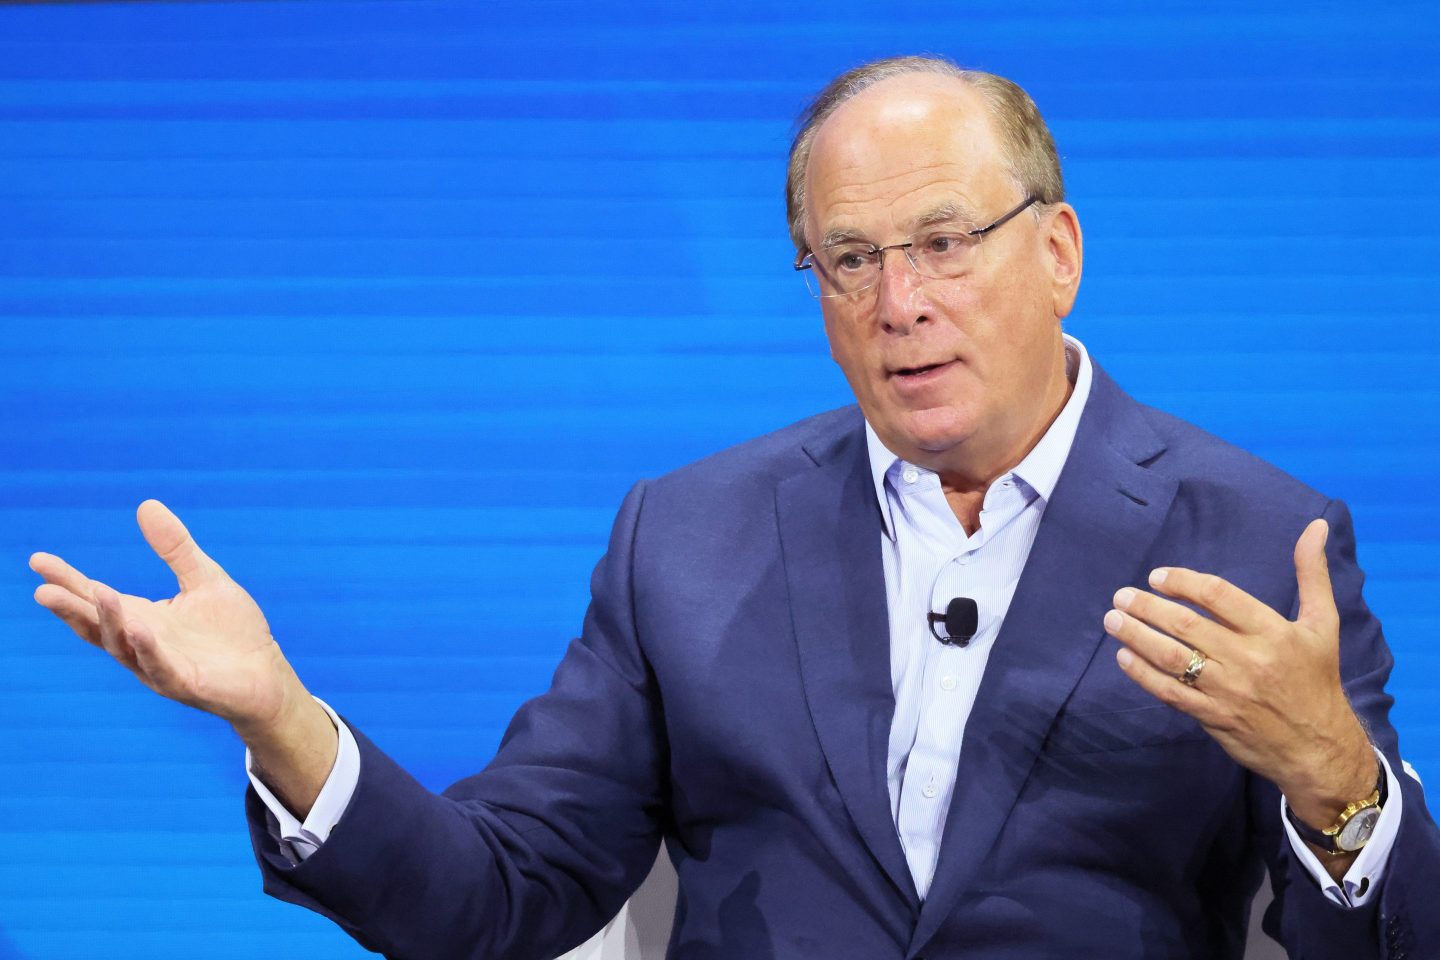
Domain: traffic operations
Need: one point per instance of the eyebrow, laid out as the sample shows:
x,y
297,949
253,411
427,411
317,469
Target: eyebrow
x,y
948,212
951,211
839,238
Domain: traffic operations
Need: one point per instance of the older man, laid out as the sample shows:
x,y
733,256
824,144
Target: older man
x,y
999,663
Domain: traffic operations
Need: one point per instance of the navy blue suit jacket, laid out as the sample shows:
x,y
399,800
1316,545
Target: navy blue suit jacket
x,y
731,694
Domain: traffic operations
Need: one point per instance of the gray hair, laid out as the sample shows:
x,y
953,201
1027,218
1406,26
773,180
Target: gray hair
x,y
1029,149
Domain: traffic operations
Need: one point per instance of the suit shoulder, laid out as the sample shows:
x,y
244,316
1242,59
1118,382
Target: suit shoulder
x,y
1206,463
709,507
767,458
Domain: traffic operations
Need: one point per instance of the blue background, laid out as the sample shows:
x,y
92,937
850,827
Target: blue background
x,y
393,301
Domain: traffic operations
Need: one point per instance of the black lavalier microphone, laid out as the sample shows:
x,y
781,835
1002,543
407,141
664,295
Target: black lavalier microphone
x,y
961,619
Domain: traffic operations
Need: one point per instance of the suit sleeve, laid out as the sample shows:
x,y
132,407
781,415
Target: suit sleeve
x,y
1400,922
534,854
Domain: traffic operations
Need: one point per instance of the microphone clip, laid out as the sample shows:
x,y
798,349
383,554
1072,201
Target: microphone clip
x,y
961,619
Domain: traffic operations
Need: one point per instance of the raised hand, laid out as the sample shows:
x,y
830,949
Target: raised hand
x,y
1267,689
209,646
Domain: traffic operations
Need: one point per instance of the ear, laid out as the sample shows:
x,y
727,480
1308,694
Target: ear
x,y
1064,248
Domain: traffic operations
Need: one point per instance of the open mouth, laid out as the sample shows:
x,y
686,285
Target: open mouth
x,y
920,371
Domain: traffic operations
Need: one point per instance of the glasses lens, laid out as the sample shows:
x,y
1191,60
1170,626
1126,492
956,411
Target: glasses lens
x,y
945,256
846,270
812,283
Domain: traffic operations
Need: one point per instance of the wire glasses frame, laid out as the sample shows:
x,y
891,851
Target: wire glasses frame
x,y
805,259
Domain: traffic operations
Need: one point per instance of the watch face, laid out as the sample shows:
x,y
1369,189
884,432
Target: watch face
x,y
1354,834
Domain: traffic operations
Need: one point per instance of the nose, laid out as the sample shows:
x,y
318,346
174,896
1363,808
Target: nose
x,y
899,304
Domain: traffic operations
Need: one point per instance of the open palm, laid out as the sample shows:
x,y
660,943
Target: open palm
x,y
209,646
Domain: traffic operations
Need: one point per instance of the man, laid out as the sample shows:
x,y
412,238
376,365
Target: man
x,y
999,664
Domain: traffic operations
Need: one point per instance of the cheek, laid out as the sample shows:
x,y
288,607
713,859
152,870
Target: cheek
x,y
847,346
1023,290
836,338
966,305
971,321
994,320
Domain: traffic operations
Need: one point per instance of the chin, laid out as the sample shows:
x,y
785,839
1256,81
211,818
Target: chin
x,y
936,430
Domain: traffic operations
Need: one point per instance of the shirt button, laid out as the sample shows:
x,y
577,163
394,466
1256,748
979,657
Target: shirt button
x,y
947,683
911,475
964,559
1007,483
929,790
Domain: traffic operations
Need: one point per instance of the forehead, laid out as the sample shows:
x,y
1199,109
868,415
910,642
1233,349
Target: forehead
x,y
900,148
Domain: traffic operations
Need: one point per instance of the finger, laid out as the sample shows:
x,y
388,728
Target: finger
x,y
1165,687
151,660
1312,572
78,614
60,573
168,537
1217,596
1174,620
1165,654
112,625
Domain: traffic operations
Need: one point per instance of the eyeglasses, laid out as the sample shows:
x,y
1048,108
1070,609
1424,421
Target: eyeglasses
x,y
848,268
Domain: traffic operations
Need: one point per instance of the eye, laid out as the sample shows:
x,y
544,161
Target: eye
x,y
850,260
943,244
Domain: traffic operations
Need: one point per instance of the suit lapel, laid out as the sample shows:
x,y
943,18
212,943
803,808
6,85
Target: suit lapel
x,y
830,539
1104,513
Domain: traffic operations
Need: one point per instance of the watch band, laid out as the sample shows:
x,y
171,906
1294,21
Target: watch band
x,y
1327,839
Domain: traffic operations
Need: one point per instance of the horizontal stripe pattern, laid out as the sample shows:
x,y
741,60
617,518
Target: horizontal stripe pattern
x,y
392,301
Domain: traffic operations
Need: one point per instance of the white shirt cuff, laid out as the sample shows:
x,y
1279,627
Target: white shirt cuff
x,y
1363,878
299,840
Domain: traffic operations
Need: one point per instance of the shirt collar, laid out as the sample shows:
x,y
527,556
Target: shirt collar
x,y
1040,469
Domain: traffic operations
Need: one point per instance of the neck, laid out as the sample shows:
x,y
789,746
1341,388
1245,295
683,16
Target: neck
x,y
965,487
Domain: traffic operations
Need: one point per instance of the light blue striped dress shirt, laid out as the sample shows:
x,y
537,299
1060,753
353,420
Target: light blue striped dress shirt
x,y
929,560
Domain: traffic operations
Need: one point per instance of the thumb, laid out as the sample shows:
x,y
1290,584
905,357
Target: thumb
x,y
1312,572
168,537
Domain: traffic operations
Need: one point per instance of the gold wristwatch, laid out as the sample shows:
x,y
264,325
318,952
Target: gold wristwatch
x,y
1352,829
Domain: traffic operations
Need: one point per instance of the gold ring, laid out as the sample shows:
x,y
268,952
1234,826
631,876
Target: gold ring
x,y
1192,672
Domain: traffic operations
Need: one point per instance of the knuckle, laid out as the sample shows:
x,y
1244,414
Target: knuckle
x,y
1187,621
1242,696
1180,660
1265,664
1212,589
1223,718
1169,693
